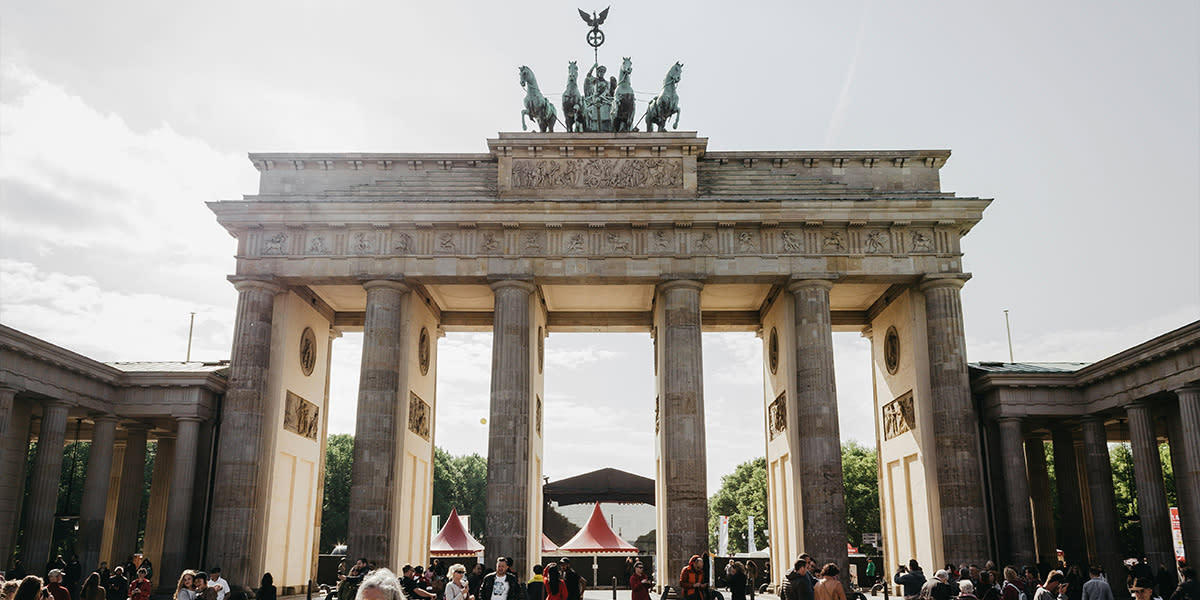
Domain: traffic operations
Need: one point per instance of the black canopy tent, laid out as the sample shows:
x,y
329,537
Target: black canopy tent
x,y
603,485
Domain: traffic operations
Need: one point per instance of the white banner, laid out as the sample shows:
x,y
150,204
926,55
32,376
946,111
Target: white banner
x,y
1177,533
723,536
750,545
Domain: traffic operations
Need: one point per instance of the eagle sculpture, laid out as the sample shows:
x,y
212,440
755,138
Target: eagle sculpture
x,y
594,20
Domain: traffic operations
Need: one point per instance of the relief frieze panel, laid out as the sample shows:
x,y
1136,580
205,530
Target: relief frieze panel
x,y
597,173
899,417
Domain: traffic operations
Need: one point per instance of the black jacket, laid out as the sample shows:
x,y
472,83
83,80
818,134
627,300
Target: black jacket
x,y
489,581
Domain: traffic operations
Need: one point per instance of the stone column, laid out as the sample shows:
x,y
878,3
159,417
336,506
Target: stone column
x,y
681,418
376,428
43,488
1151,493
1070,506
129,496
237,524
179,501
508,425
1104,504
818,440
955,424
1085,497
1187,473
156,513
1039,495
1016,490
95,491
11,470
7,396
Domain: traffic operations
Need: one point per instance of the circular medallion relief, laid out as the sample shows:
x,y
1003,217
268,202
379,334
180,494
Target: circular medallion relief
x,y
891,350
541,351
773,351
308,351
423,351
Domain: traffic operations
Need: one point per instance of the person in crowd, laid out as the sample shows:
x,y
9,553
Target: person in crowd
x,y
812,569
17,572
535,589
1031,580
456,588
639,583
1054,588
1189,588
796,585
183,587
9,589
140,588
501,584
91,588
1096,588
938,588
1142,588
118,585
72,575
104,574
736,580
381,584
266,588
987,590
30,588
56,563
200,585
54,581
419,589
910,579
474,580
348,584
215,581
1014,586
556,588
575,583
828,587
691,580
966,590
870,573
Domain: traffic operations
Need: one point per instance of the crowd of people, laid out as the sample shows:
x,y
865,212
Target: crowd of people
x,y
556,580
128,581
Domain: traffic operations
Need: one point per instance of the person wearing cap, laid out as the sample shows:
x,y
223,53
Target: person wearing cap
x,y
501,584
218,583
691,580
54,584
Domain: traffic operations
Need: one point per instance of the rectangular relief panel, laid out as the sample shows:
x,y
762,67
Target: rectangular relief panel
x,y
301,417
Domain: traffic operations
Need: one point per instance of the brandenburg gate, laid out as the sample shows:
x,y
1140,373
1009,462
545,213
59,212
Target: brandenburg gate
x,y
550,232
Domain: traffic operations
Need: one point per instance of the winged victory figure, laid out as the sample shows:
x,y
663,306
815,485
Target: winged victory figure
x,y
594,20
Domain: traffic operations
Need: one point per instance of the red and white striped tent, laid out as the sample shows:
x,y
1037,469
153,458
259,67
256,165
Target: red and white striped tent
x,y
454,539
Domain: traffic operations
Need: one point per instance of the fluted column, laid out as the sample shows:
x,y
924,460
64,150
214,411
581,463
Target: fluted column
x,y
376,428
1187,473
95,491
1039,496
1104,504
43,489
955,424
179,500
508,425
1016,490
1070,505
129,496
818,440
1151,493
237,526
7,396
14,444
681,416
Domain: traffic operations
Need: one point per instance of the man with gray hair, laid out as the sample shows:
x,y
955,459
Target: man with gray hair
x,y
54,585
381,584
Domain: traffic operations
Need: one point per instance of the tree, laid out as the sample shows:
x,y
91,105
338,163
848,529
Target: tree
x,y
460,482
743,493
860,476
335,507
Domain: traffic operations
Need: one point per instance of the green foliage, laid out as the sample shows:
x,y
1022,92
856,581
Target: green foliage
x,y
460,482
860,474
1129,525
335,507
743,493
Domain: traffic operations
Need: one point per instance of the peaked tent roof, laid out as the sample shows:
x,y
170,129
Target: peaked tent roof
x,y
453,539
597,537
547,545
604,485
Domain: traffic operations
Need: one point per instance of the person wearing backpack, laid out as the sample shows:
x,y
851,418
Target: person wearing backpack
x,y
1014,587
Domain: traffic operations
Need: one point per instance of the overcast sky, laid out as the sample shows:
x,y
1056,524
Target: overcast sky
x,y
118,120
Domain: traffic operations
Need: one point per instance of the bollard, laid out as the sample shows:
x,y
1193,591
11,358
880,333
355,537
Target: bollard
x,y
614,586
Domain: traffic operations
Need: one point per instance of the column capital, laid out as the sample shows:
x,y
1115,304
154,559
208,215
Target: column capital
x,y
395,284
677,281
136,426
6,390
105,418
795,285
939,280
189,419
1139,404
57,403
1090,418
1191,388
1009,419
244,283
522,282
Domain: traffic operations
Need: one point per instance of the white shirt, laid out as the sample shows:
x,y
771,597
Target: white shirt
x,y
500,588
224,586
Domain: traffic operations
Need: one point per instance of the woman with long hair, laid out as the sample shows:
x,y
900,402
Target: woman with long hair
x,y
829,588
183,587
91,588
737,581
266,588
29,589
556,588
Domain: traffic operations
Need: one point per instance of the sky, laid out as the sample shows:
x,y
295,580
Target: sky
x,y
119,120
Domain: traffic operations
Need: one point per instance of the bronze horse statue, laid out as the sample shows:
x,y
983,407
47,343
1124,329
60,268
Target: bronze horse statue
x,y
665,104
572,101
536,105
624,107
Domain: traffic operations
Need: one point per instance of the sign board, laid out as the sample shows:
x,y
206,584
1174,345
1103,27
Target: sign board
x,y
870,538
1177,532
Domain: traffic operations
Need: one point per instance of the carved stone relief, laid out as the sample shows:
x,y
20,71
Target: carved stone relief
x,y
891,350
704,242
898,416
574,244
834,241
594,173
773,351
446,243
662,241
418,416
308,351
404,243
777,416
317,246
876,242
617,242
301,417
275,244
362,243
790,241
541,337
746,242
423,351
489,242
533,243
922,241
537,414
